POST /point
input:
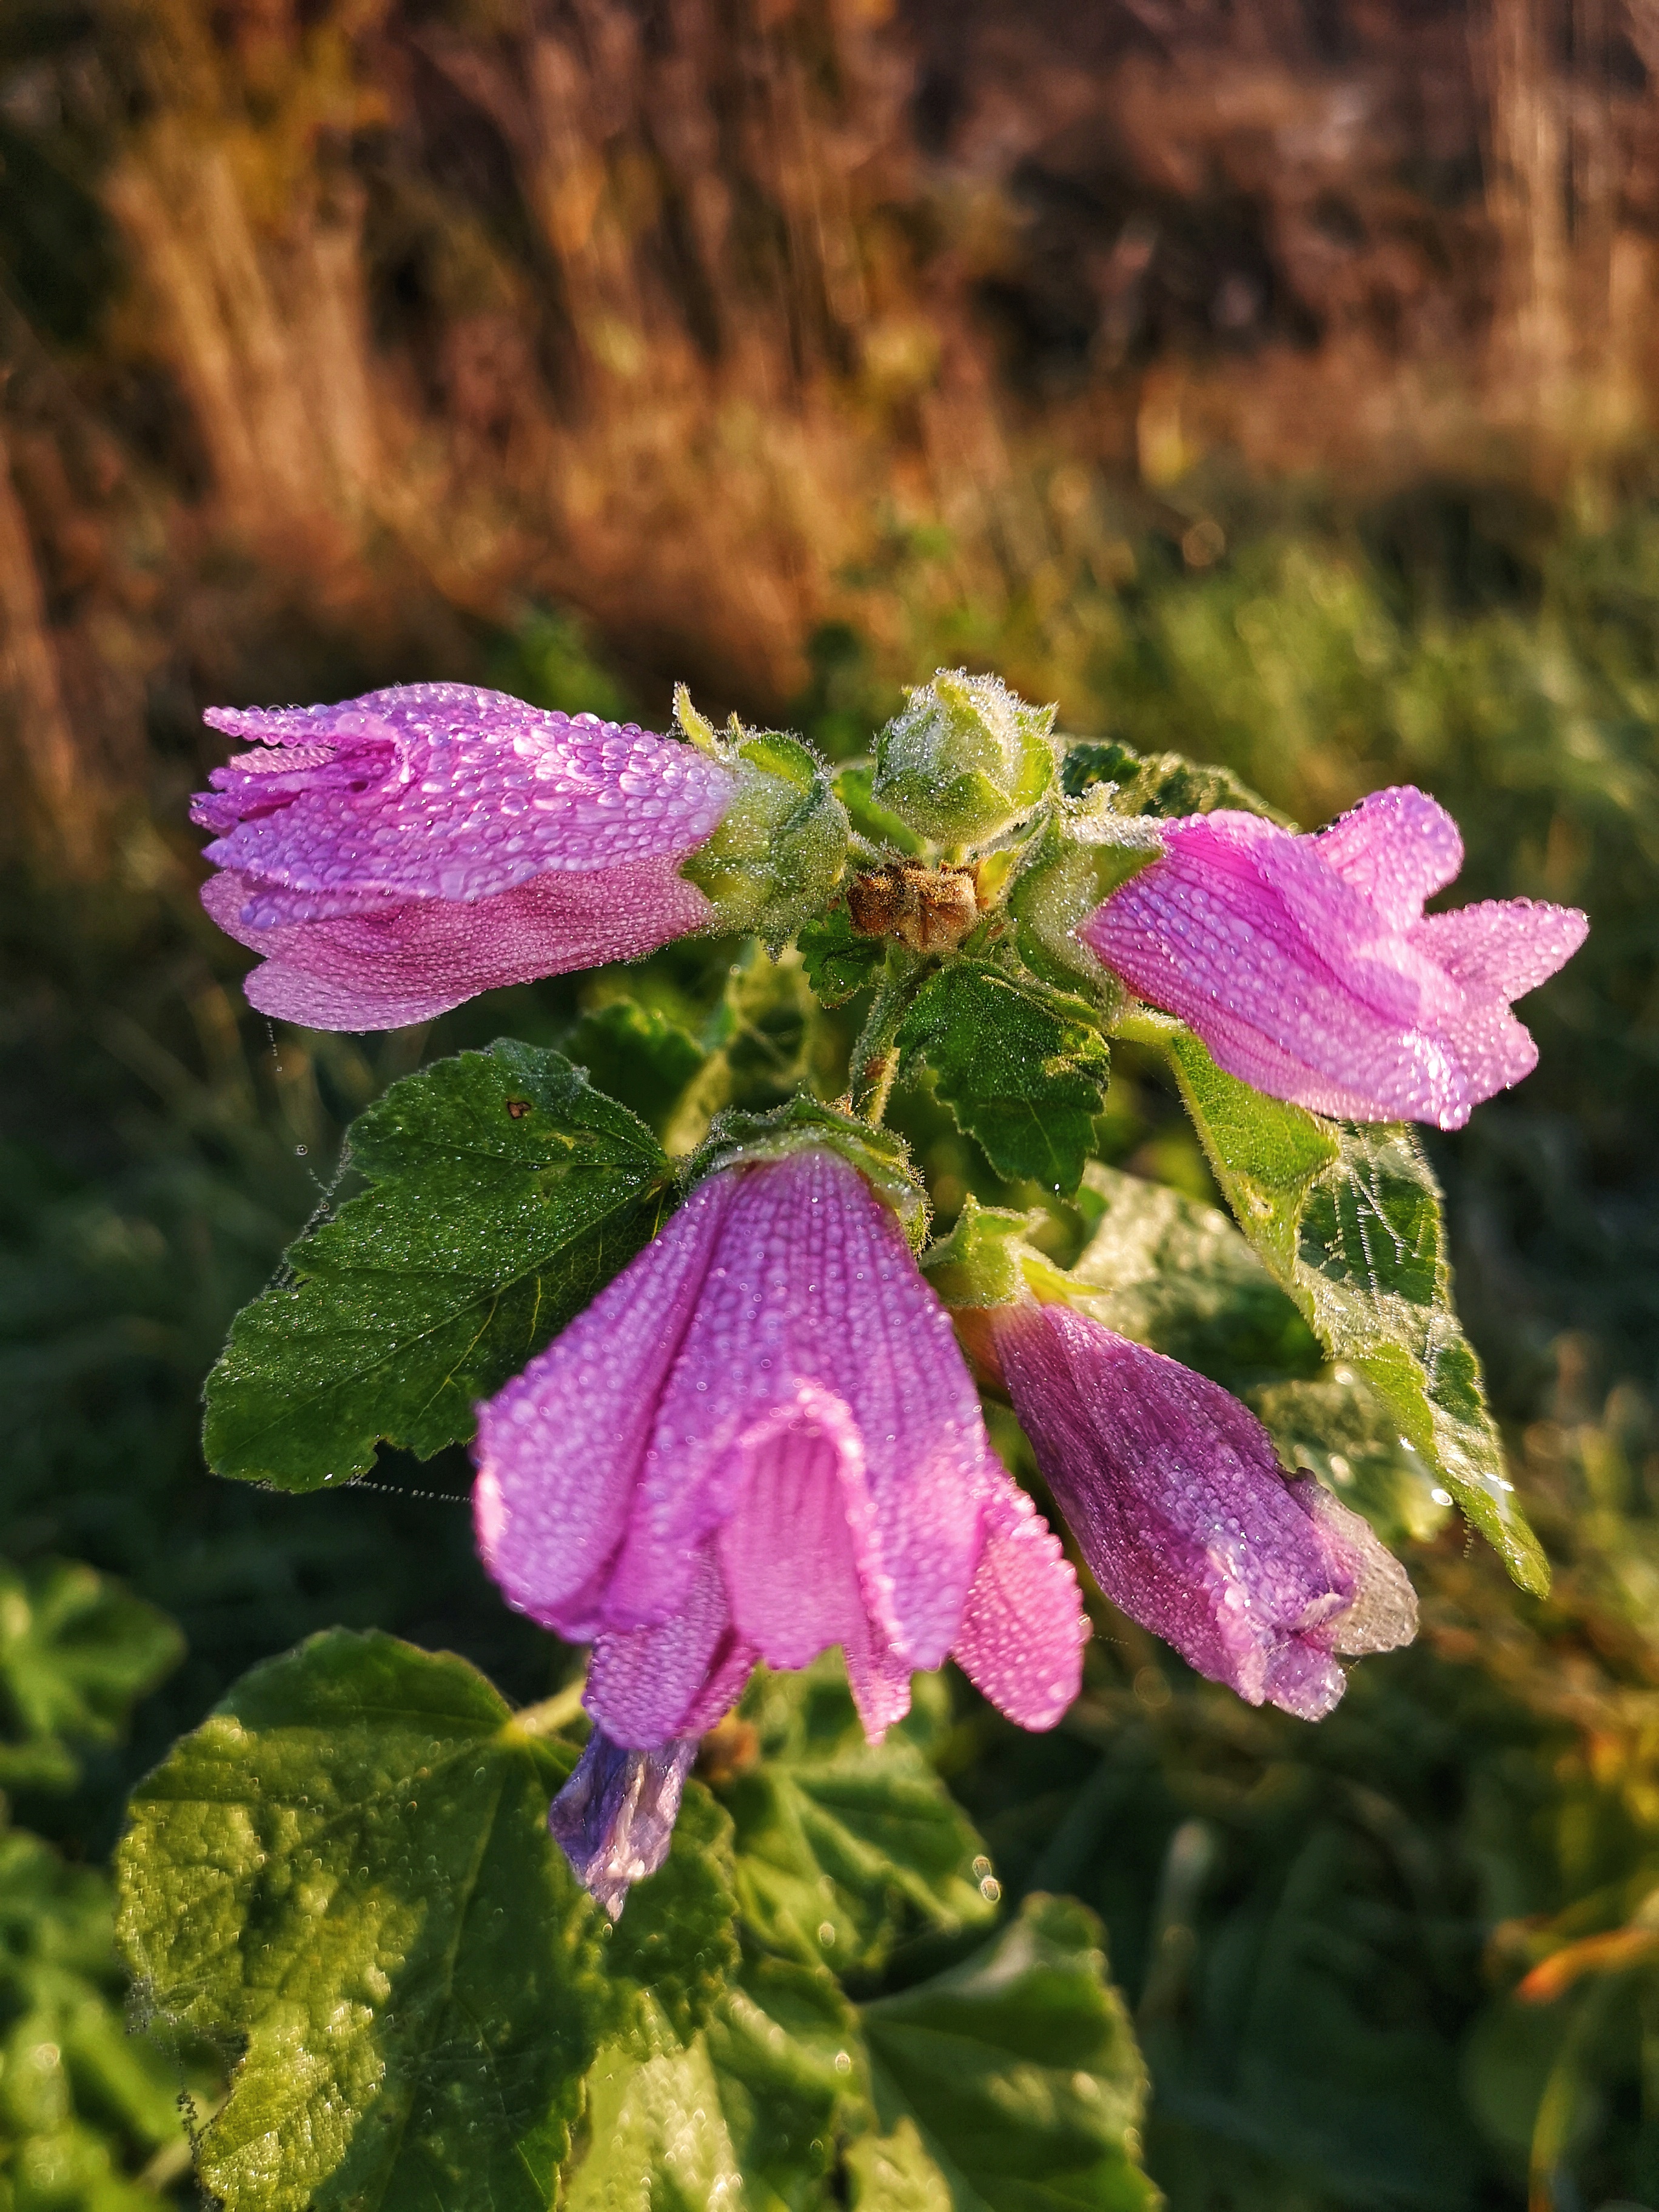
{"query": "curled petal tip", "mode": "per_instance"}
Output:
(614, 1819)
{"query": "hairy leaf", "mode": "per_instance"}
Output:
(841, 1849)
(506, 1192)
(77, 1653)
(1023, 1071)
(1348, 1218)
(1018, 2073)
(1164, 784)
(347, 1868)
(839, 961)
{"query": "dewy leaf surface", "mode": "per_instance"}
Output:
(1019, 2072)
(77, 1653)
(1348, 1218)
(347, 1868)
(506, 1192)
(842, 1849)
(1023, 1071)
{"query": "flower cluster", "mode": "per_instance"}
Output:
(763, 1439)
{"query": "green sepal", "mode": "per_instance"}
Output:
(781, 847)
(987, 1259)
(505, 1192)
(1023, 1069)
(1348, 1218)
(805, 1125)
(855, 788)
(965, 760)
(1085, 854)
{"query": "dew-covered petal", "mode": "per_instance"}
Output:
(355, 960)
(1023, 1633)
(649, 1684)
(614, 1819)
(560, 1451)
(1396, 848)
(1506, 946)
(1381, 1615)
(813, 1284)
(442, 791)
(1174, 1493)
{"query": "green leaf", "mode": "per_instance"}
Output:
(1337, 1429)
(347, 1868)
(637, 1056)
(77, 1653)
(506, 1192)
(676, 1941)
(1018, 2073)
(1170, 1272)
(1348, 1218)
(1023, 1071)
(84, 2106)
(842, 1850)
(838, 961)
(1164, 784)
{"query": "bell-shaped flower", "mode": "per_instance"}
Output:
(394, 854)
(1175, 1496)
(1308, 969)
(759, 1442)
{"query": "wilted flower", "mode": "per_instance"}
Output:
(394, 854)
(1175, 1496)
(759, 1441)
(1307, 967)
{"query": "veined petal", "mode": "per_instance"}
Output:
(561, 1449)
(1396, 848)
(1507, 946)
(676, 1679)
(1024, 1629)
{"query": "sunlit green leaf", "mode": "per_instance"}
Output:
(839, 961)
(506, 1191)
(348, 1867)
(1348, 1218)
(1023, 1071)
(77, 1653)
(841, 1849)
(1019, 2074)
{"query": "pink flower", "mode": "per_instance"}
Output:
(394, 854)
(759, 1441)
(1307, 967)
(1175, 1494)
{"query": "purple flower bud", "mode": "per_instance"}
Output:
(1308, 966)
(614, 1819)
(759, 1441)
(395, 855)
(1175, 1496)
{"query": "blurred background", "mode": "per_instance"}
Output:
(1273, 379)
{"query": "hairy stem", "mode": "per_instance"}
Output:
(875, 1056)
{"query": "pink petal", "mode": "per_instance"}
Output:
(440, 791)
(1506, 946)
(561, 1449)
(814, 1284)
(394, 962)
(1381, 1615)
(675, 1680)
(1396, 848)
(1022, 1635)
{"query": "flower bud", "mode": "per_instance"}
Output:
(781, 844)
(965, 760)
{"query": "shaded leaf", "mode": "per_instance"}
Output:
(1023, 1071)
(1019, 2072)
(77, 1653)
(841, 1849)
(1348, 1218)
(637, 1056)
(506, 1192)
(347, 1868)
(839, 961)
(1164, 784)
(676, 1941)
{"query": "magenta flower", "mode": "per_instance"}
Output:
(1307, 967)
(759, 1441)
(1175, 1494)
(394, 854)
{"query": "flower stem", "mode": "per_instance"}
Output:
(553, 1713)
(875, 1056)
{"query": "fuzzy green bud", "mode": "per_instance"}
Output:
(781, 847)
(965, 760)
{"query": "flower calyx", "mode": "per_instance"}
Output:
(988, 1261)
(738, 1140)
(781, 847)
(965, 760)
